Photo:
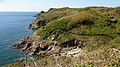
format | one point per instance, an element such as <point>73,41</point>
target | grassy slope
<point>99,24</point>
<point>98,29</point>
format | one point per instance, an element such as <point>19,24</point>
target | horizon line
<point>53,7</point>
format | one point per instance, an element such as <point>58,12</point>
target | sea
<point>13,28</point>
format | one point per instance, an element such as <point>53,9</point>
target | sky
<point>44,5</point>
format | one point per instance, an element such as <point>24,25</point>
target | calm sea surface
<point>13,27</point>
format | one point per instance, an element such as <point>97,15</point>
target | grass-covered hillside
<point>89,25</point>
<point>95,30</point>
<point>75,37</point>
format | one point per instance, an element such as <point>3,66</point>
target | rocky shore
<point>33,45</point>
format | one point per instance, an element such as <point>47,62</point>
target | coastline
<point>74,37</point>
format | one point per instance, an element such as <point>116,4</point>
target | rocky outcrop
<point>38,24</point>
<point>33,45</point>
<point>32,26</point>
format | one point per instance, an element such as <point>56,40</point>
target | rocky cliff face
<point>33,45</point>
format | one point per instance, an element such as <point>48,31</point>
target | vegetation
<point>76,23</point>
<point>96,29</point>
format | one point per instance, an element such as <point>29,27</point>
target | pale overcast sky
<point>38,5</point>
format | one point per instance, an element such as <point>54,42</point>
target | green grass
<point>82,23</point>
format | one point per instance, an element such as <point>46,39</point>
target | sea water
<point>13,27</point>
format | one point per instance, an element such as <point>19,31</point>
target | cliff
<point>78,32</point>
